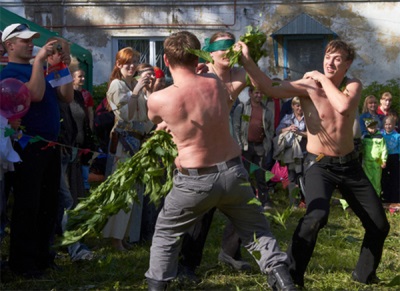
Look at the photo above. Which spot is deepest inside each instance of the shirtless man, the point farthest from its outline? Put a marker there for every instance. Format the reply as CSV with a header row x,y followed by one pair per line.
x,y
329,102
196,111
234,81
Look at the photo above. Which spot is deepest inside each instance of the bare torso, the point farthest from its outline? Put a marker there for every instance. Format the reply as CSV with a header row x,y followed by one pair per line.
x,y
196,112
328,131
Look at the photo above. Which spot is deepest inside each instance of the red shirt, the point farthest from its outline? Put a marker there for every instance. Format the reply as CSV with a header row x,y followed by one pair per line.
x,y
256,130
88,98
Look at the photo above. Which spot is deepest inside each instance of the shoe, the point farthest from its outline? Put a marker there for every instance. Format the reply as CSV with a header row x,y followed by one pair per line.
x,y
279,279
83,255
236,264
187,275
154,285
372,279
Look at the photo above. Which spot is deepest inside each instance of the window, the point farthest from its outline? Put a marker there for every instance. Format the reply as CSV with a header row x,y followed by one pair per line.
x,y
151,50
303,55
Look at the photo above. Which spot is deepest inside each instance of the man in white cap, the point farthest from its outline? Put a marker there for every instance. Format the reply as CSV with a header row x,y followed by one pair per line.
x,y
38,175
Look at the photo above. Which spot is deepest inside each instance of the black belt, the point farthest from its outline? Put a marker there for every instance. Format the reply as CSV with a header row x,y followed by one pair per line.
x,y
210,170
335,160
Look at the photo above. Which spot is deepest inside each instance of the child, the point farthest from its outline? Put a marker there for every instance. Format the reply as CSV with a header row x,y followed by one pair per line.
x,y
374,154
390,175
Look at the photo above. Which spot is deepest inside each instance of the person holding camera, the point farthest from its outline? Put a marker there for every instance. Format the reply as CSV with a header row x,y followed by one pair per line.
x,y
38,175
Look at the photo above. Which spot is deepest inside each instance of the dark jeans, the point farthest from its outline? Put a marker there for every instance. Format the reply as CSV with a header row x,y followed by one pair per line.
x,y
35,206
321,178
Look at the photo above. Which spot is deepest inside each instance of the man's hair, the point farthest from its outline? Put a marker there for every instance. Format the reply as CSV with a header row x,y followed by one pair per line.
x,y
176,48
220,34
339,45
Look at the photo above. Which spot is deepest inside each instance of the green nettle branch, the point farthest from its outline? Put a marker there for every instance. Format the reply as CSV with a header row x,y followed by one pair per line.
x,y
152,166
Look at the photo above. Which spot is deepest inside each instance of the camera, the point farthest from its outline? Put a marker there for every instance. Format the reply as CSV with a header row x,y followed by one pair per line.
x,y
57,48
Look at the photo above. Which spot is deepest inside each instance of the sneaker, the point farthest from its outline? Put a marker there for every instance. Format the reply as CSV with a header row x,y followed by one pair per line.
x,y
236,264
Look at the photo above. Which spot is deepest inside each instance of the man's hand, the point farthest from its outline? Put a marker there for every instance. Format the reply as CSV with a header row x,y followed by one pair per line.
x,y
45,51
201,68
314,75
241,46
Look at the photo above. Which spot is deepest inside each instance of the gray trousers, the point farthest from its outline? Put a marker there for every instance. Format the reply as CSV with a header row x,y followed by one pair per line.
x,y
191,197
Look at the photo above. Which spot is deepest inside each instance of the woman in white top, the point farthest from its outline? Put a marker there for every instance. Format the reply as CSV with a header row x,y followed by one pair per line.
x,y
127,97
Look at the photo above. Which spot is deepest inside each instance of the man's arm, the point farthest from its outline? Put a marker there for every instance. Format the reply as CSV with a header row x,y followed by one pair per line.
x,y
152,106
66,92
277,89
343,102
37,84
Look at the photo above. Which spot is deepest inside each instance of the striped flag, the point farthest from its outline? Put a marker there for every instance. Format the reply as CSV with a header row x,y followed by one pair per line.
x,y
58,75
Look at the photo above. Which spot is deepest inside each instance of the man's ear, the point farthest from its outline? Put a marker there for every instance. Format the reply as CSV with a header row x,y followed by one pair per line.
x,y
166,60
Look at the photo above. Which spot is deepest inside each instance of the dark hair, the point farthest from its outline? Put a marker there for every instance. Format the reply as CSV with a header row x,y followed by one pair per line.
x,y
339,45
176,48
143,67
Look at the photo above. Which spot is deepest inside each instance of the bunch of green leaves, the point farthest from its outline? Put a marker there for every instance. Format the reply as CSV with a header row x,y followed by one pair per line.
x,y
151,166
254,39
201,54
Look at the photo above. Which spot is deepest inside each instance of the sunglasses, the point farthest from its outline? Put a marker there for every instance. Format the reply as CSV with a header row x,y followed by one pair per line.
x,y
19,28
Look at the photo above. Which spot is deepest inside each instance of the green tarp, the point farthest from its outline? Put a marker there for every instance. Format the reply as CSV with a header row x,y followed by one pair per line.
x,y
83,55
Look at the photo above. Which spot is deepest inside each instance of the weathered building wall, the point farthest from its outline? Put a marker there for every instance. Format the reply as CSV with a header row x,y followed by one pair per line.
x,y
373,27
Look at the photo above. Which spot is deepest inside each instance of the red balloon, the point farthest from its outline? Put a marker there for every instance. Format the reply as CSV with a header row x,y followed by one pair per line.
x,y
15,98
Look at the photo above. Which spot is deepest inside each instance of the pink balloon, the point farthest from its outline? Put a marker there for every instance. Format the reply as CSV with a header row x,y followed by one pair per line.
x,y
15,98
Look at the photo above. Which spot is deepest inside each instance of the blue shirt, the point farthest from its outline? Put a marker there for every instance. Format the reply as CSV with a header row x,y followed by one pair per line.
x,y
290,119
392,141
43,118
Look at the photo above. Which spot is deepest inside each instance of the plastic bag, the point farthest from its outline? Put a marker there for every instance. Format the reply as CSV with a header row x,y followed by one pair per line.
x,y
280,172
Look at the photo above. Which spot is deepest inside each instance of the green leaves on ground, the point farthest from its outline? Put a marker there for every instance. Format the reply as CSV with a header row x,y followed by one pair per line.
x,y
152,166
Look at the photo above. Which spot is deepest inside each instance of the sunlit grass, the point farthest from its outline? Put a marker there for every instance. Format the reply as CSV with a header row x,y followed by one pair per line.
x,y
333,260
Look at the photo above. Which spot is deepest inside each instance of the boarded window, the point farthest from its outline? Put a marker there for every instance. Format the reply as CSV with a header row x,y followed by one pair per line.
x,y
304,55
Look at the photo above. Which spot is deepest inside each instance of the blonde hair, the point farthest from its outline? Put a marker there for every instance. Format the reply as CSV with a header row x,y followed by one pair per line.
x,y
367,99
386,95
295,100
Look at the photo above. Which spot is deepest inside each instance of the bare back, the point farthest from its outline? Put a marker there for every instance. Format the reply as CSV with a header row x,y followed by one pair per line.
x,y
196,112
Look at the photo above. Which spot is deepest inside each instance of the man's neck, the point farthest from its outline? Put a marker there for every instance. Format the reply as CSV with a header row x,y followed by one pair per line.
x,y
18,60
255,103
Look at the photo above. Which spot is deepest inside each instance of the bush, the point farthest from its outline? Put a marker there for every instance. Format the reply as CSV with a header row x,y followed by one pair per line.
x,y
377,89
99,92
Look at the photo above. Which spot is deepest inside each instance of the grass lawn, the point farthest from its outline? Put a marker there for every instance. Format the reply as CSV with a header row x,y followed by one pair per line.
x,y
334,258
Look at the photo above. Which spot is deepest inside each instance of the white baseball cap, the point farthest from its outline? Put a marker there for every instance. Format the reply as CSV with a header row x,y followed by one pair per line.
x,y
18,30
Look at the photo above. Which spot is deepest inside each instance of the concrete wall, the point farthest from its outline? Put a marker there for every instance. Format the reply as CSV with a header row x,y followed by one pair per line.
x,y
373,27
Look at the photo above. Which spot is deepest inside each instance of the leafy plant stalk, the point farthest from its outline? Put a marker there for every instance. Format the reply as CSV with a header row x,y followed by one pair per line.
x,y
152,166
